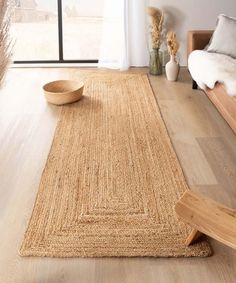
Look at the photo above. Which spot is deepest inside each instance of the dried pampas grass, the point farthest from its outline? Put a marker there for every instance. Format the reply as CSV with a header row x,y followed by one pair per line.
x,y
172,43
5,45
157,19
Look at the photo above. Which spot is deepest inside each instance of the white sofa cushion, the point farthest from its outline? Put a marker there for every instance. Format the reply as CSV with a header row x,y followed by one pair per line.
x,y
224,38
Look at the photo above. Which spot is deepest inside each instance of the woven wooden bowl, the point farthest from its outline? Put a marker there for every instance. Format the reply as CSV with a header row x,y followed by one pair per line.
x,y
63,91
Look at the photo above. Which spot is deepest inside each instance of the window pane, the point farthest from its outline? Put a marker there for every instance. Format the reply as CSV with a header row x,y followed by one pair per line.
x,y
82,28
35,30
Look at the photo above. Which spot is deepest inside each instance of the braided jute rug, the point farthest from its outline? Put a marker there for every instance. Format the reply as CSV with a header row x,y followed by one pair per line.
x,y
112,178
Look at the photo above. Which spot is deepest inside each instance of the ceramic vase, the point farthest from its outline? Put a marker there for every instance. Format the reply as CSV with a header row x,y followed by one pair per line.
x,y
155,65
172,69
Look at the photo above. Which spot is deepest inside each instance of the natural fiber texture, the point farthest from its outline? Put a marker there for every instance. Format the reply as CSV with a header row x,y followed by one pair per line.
x,y
111,180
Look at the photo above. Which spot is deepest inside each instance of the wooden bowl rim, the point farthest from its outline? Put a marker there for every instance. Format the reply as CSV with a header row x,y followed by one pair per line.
x,y
78,85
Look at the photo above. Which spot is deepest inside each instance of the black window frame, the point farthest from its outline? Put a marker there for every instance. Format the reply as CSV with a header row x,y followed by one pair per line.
x,y
60,46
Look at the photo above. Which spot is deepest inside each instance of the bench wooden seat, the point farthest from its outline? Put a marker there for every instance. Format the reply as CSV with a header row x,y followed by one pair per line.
x,y
207,217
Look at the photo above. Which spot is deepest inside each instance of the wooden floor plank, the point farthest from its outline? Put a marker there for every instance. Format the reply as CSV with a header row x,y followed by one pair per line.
x,y
222,160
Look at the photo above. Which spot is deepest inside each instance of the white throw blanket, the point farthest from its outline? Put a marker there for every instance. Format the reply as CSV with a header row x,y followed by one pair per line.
x,y
208,68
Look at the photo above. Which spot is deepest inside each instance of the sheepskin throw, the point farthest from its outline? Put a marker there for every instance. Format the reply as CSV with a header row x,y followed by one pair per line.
x,y
209,68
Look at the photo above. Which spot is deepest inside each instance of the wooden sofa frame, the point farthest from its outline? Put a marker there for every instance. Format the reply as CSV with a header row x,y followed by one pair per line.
x,y
226,105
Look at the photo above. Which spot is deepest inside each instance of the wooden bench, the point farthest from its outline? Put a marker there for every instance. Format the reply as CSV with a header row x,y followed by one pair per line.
x,y
207,217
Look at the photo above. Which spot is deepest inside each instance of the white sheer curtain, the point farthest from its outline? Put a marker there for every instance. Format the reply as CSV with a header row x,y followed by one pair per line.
x,y
124,38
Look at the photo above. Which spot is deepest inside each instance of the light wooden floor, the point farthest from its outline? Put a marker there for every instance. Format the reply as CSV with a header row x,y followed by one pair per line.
x,y
204,143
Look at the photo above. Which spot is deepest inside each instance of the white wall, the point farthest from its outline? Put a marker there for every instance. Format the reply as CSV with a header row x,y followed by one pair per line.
x,y
184,15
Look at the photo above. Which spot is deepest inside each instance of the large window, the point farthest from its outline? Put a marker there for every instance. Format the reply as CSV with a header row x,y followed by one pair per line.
x,y
57,30
82,27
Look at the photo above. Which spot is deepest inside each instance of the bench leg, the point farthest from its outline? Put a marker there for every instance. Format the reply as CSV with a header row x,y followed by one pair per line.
x,y
195,234
194,86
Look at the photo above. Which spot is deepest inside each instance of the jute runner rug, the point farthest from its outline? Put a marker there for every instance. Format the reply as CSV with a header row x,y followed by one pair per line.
x,y
111,180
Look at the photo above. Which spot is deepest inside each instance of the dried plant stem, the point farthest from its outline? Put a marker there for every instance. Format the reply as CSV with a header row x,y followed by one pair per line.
x,y
157,19
172,43
5,44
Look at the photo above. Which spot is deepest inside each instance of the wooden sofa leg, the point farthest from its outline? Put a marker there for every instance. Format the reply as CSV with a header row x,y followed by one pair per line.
x,y
194,86
193,237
